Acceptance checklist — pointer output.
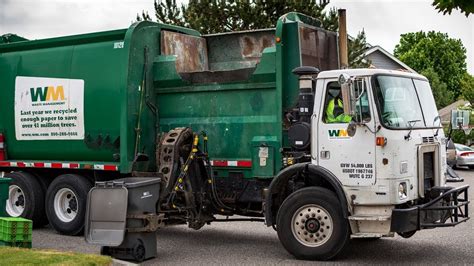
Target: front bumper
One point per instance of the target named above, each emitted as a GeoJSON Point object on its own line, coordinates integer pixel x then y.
{"type": "Point", "coordinates": [448, 207]}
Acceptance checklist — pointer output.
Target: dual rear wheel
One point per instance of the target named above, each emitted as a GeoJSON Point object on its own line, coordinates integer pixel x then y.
{"type": "Point", "coordinates": [62, 204]}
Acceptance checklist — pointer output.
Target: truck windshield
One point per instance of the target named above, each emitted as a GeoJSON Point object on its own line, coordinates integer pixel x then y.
{"type": "Point", "coordinates": [405, 102]}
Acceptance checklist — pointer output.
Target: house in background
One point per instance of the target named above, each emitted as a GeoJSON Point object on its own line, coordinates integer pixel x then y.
{"type": "Point", "coordinates": [380, 58]}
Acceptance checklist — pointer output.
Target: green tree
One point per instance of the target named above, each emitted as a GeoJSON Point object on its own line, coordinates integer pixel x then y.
{"type": "Point", "coordinates": [446, 6]}
{"type": "Point", "coordinates": [213, 16]}
{"type": "Point", "coordinates": [467, 87]}
{"type": "Point", "coordinates": [442, 95]}
{"type": "Point", "coordinates": [446, 56]}
{"type": "Point", "coordinates": [356, 48]}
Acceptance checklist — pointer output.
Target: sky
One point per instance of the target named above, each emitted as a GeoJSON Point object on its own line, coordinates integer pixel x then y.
{"type": "Point", "coordinates": [382, 20]}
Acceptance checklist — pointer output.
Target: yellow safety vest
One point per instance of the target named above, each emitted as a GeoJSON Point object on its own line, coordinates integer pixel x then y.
{"type": "Point", "coordinates": [335, 114]}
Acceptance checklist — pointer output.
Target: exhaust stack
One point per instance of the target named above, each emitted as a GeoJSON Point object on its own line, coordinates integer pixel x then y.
{"type": "Point", "coordinates": [343, 53]}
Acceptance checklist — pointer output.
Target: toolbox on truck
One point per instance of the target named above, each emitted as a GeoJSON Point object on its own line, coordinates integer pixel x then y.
{"type": "Point", "coordinates": [121, 217]}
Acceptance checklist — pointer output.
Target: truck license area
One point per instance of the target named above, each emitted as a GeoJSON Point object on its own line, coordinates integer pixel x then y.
{"type": "Point", "coordinates": [358, 170]}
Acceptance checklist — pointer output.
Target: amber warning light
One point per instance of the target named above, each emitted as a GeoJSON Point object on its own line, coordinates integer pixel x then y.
{"type": "Point", "coordinates": [381, 141]}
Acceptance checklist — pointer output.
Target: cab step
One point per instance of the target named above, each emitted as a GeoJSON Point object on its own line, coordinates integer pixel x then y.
{"type": "Point", "coordinates": [366, 235]}
{"type": "Point", "coordinates": [371, 235]}
{"type": "Point", "coordinates": [369, 218]}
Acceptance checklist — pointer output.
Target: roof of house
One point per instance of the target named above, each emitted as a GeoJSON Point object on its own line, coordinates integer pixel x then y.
{"type": "Point", "coordinates": [376, 48]}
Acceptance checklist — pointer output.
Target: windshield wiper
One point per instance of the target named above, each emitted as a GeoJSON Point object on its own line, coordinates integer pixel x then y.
{"type": "Point", "coordinates": [411, 123]}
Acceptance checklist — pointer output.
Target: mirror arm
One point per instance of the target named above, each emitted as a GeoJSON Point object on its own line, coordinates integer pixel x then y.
{"type": "Point", "coordinates": [437, 131]}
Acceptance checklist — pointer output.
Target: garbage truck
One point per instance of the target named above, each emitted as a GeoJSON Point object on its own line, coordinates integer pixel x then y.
{"type": "Point", "coordinates": [241, 125]}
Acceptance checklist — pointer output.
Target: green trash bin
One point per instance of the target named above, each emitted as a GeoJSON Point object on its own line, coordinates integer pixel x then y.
{"type": "Point", "coordinates": [4, 184]}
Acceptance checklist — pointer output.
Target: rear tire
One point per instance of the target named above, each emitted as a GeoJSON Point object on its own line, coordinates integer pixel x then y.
{"type": "Point", "coordinates": [66, 203]}
{"type": "Point", "coordinates": [471, 167]}
{"type": "Point", "coordinates": [311, 225]}
{"type": "Point", "coordinates": [26, 198]}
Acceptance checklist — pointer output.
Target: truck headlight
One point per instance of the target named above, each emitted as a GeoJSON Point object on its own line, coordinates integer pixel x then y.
{"type": "Point", "coordinates": [402, 190]}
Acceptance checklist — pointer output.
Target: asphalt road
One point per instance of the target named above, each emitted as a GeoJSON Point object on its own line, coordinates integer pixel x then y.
{"type": "Point", "coordinates": [254, 243]}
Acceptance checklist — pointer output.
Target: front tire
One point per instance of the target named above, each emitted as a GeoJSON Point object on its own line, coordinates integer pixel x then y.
{"type": "Point", "coordinates": [26, 198]}
{"type": "Point", "coordinates": [66, 203]}
{"type": "Point", "coordinates": [311, 225]}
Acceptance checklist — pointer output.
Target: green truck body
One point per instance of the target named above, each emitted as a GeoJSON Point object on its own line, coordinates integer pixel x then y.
{"type": "Point", "coordinates": [152, 77]}
{"type": "Point", "coordinates": [97, 107]}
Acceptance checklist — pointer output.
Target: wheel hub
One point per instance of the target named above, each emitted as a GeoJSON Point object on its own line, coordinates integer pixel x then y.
{"type": "Point", "coordinates": [312, 225]}
{"type": "Point", "coordinates": [65, 205]}
{"type": "Point", "coordinates": [16, 202]}
{"type": "Point", "coordinates": [73, 204]}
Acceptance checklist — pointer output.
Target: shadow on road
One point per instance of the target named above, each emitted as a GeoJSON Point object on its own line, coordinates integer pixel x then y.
{"type": "Point", "coordinates": [217, 245]}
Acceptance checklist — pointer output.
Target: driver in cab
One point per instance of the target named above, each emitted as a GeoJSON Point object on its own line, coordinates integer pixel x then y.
{"type": "Point", "coordinates": [335, 109]}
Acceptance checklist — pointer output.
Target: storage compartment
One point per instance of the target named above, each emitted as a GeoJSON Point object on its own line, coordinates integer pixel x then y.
{"type": "Point", "coordinates": [263, 156]}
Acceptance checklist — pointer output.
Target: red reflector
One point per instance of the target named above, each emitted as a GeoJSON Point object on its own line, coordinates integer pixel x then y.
{"type": "Point", "coordinates": [38, 165]}
{"type": "Point", "coordinates": [244, 163]}
{"type": "Point", "coordinates": [220, 163]}
{"type": "Point", "coordinates": [110, 167]}
{"type": "Point", "coordinates": [56, 165]}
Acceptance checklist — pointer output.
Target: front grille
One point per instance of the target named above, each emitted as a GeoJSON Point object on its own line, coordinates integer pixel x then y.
{"type": "Point", "coordinates": [428, 170]}
{"type": "Point", "coordinates": [428, 139]}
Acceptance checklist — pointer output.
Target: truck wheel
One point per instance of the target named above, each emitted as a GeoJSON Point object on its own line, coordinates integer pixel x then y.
{"type": "Point", "coordinates": [26, 198]}
{"type": "Point", "coordinates": [311, 225]}
{"type": "Point", "coordinates": [66, 203]}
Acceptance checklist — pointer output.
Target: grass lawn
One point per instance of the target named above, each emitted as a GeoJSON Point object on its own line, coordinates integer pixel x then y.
{"type": "Point", "coordinates": [16, 256]}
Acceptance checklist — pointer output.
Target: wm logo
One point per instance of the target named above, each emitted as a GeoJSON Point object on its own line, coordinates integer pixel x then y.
{"type": "Point", "coordinates": [338, 133]}
{"type": "Point", "coordinates": [47, 94]}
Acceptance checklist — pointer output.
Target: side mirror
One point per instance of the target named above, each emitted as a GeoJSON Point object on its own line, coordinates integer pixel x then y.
{"type": "Point", "coordinates": [352, 90]}
{"type": "Point", "coordinates": [347, 91]}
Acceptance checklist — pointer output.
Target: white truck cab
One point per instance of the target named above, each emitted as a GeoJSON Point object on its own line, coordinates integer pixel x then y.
{"type": "Point", "coordinates": [377, 163]}
{"type": "Point", "coordinates": [396, 152]}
